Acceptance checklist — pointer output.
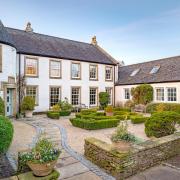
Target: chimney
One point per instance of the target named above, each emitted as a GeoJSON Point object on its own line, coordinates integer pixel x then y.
{"type": "Point", "coordinates": [93, 41]}
{"type": "Point", "coordinates": [28, 27]}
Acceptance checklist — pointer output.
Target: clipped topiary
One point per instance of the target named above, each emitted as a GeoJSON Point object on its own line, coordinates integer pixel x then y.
{"type": "Point", "coordinates": [2, 107]}
{"type": "Point", "coordinates": [6, 134]}
{"type": "Point", "coordinates": [103, 99]}
{"type": "Point", "coordinates": [161, 124]}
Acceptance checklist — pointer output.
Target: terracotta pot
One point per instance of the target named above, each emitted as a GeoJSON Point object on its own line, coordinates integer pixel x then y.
{"type": "Point", "coordinates": [29, 114]}
{"type": "Point", "coordinates": [42, 169]}
{"type": "Point", "coordinates": [109, 113]}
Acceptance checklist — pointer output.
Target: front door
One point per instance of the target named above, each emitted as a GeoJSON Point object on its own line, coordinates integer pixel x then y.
{"type": "Point", "coordinates": [9, 102]}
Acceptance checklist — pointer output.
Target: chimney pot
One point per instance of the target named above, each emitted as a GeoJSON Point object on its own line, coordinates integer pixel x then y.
{"type": "Point", "coordinates": [28, 27]}
{"type": "Point", "coordinates": [94, 41]}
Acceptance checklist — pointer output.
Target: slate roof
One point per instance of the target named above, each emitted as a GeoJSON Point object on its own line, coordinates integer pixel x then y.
{"type": "Point", "coordinates": [43, 45]}
{"type": "Point", "coordinates": [169, 72]}
{"type": "Point", "coordinates": [4, 35]}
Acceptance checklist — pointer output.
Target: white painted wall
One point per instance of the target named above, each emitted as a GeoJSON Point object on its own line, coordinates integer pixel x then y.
{"type": "Point", "coordinates": [120, 98]}
{"type": "Point", "coordinates": [44, 82]}
{"type": "Point", "coordinates": [8, 63]}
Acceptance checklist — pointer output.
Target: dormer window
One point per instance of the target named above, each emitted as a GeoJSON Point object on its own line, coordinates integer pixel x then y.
{"type": "Point", "coordinates": [135, 72]}
{"type": "Point", "coordinates": [154, 69]}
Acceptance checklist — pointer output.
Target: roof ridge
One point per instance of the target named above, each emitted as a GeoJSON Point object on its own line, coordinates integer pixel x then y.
{"type": "Point", "coordinates": [171, 57]}
{"type": "Point", "coordinates": [48, 35]}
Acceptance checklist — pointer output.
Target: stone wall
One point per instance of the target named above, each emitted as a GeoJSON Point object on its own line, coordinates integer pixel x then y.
{"type": "Point", "coordinates": [122, 164]}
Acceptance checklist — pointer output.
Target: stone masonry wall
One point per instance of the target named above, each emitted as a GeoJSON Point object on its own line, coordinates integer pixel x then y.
{"type": "Point", "coordinates": [122, 164]}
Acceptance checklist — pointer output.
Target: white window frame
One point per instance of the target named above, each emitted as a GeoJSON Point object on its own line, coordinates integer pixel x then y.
{"type": "Point", "coordinates": [26, 66]}
{"type": "Point", "coordinates": [95, 96]}
{"type": "Point", "coordinates": [109, 90]}
{"type": "Point", "coordinates": [79, 70]}
{"type": "Point", "coordinates": [135, 72]}
{"type": "Point", "coordinates": [51, 104]}
{"type": "Point", "coordinates": [168, 96]}
{"type": "Point", "coordinates": [110, 78]}
{"type": "Point", "coordinates": [31, 94]}
{"type": "Point", "coordinates": [56, 68]}
{"type": "Point", "coordinates": [125, 93]}
{"type": "Point", "coordinates": [73, 95]}
{"type": "Point", "coordinates": [96, 71]}
{"type": "Point", "coordinates": [162, 98]}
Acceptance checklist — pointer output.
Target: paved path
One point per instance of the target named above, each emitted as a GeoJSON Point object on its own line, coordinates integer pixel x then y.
{"type": "Point", "coordinates": [71, 165]}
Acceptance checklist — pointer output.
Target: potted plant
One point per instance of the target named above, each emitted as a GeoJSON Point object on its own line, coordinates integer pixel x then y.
{"type": "Point", "coordinates": [65, 107]}
{"type": "Point", "coordinates": [27, 106]}
{"type": "Point", "coordinates": [109, 111]}
{"type": "Point", "coordinates": [42, 158]}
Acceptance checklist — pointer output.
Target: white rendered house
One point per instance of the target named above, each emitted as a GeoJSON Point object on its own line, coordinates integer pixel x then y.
{"type": "Point", "coordinates": [54, 69]}
{"type": "Point", "coordinates": [163, 75]}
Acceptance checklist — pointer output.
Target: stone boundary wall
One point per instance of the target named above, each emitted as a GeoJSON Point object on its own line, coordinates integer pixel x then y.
{"type": "Point", "coordinates": [122, 164]}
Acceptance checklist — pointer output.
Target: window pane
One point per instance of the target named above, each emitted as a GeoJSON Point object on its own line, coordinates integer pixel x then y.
{"type": "Point", "coordinates": [171, 93]}
{"type": "Point", "coordinates": [109, 91]}
{"type": "Point", "coordinates": [55, 68]}
{"type": "Point", "coordinates": [75, 70]}
{"type": "Point", "coordinates": [32, 92]}
{"type": "Point", "coordinates": [93, 72]}
{"type": "Point", "coordinates": [160, 94]}
{"type": "Point", "coordinates": [126, 93]}
{"type": "Point", "coordinates": [134, 72]}
{"type": "Point", "coordinates": [108, 73]}
{"type": "Point", "coordinates": [31, 67]}
{"type": "Point", "coordinates": [93, 96]}
{"type": "Point", "coordinates": [54, 95]}
{"type": "Point", "coordinates": [75, 96]}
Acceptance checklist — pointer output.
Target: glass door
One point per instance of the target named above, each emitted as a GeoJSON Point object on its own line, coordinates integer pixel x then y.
{"type": "Point", "coordinates": [9, 103]}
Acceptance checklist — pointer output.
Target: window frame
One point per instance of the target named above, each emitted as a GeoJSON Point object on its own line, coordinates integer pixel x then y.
{"type": "Point", "coordinates": [111, 67]}
{"type": "Point", "coordinates": [37, 93]}
{"type": "Point", "coordinates": [125, 95]}
{"type": "Point", "coordinates": [162, 88]}
{"type": "Point", "coordinates": [111, 97]}
{"type": "Point", "coordinates": [78, 87]}
{"type": "Point", "coordinates": [60, 94]}
{"type": "Point", "coordinates": [96, 104]}
{"type": "Point", "coordinates": [134, 72]}
{"type": "Point", "coordinates": [60, 70]}
{"type": "Point", "coordinates": [37, 70]}
{"type": "Point", "coordinates": [155, 69]}
{"type": "Point", "coordinates": [76, 78]}
{"type": "Point", "coordinates": [168, 96]}
{"type": "Point", "coordinates": [93, 79]}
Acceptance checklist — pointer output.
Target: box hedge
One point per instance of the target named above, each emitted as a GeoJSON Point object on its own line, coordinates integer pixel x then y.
{"type": "Point", "coordinates": [91, 124]}
{"type": "Point", "coordinates": [138, 119]}
{"type": "Point", "coordinates": [161, 124]}
{"type": "Point", "coordinates": [153, 107]}
{"type": "Point", "coordinates": [64, 113]}
{"type": "Point", "coordinates": [6, 134]}
{"type": "Point", "coordinates": [53, 114]}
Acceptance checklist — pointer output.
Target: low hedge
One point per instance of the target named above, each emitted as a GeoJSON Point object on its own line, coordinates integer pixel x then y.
{"type": "Point", "coordinates": [153, 107]}
{"type": "Point", "coordinates": [88, 111]}
{"type": "Point", "coordinates": [64, 113]}
{"type": "Point", "coordinates": [138, 119]}
{"type": "Point", "coordinates": [92, 124]}
{"type": "Point", "coordinates": [53, 114]}
{"type": "Point", "coordinates": [6, 134]}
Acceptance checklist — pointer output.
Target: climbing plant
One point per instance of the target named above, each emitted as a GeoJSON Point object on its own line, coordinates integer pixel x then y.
{"type": "Point", "coordinates": [142, 94]}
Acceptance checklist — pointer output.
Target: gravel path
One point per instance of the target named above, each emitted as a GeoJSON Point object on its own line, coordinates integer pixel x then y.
{"type": "Point", "coordinates": [76, 136]}
{"type": "Point", "coordinates": [22, 140]}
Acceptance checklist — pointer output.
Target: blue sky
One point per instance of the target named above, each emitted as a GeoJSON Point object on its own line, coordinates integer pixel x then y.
{"type": "Point", "coordinates": [130, 30]}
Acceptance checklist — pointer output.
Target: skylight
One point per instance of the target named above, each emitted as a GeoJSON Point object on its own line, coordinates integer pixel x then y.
{"type": "Point", "coordinates": [135, 72]}
{"type": "Point", "coordinates": [154, 69]}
